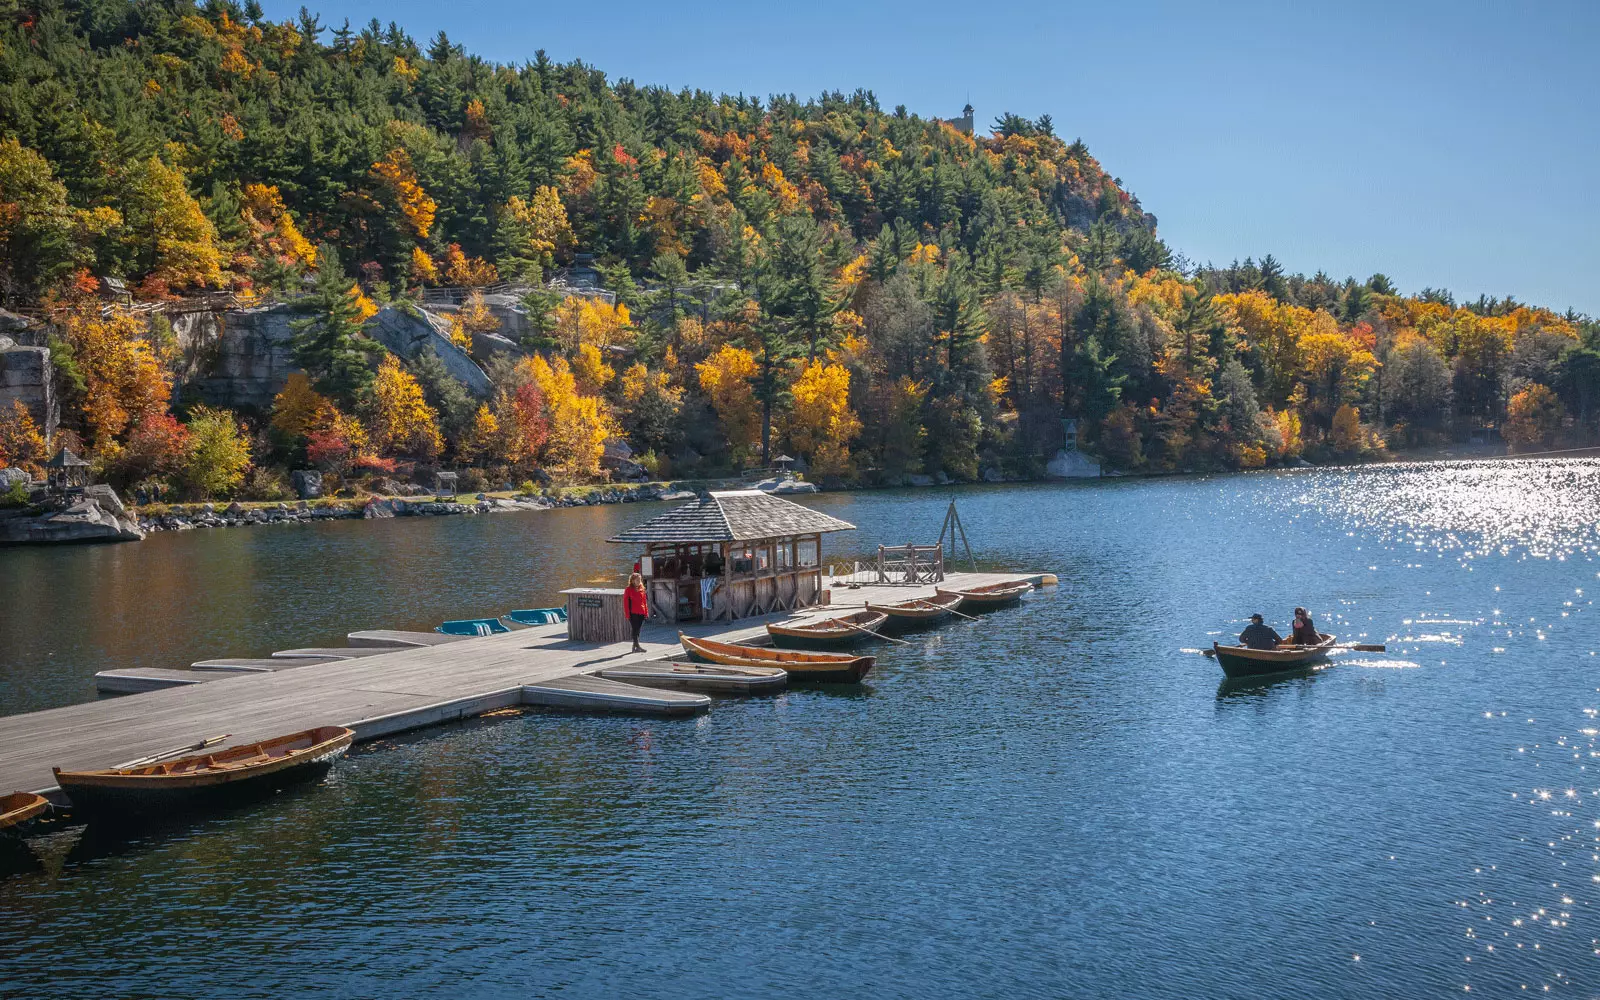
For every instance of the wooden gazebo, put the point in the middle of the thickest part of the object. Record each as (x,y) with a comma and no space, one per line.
(67,471)
(732,554)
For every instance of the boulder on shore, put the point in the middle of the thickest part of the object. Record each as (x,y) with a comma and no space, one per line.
(83,521)
(1072,465)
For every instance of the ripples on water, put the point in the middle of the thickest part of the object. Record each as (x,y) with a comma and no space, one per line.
(1060,800)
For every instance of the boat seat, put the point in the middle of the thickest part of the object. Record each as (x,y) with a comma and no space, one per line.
(472,626)
(538,616)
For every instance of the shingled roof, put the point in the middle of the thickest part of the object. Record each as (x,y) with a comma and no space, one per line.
(733,516)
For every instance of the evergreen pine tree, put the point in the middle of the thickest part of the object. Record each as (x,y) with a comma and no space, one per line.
(328,343)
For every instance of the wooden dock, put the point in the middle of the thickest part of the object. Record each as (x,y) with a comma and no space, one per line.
(379,694)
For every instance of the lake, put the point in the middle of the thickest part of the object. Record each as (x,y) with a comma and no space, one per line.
(1059,800)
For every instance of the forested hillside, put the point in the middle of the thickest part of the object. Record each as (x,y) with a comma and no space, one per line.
(875,292)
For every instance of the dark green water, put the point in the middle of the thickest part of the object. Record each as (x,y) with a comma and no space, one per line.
(1059,801)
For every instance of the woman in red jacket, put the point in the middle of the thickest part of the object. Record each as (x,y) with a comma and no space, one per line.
(636,606)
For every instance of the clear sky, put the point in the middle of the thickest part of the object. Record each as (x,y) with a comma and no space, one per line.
(1455,145)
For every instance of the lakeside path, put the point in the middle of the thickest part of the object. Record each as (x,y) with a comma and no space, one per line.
(373,695)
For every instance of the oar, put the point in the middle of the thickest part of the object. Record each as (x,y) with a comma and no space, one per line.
(861,628)
(137,761)
(953,611)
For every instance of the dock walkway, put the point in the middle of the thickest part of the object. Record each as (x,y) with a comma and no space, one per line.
(376,694)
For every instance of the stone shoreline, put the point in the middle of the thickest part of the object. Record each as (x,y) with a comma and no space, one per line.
(187,517)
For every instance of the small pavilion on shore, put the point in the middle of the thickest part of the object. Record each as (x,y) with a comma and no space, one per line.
(731,555)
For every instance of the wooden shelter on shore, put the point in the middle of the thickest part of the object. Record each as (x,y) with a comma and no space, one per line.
(732,554)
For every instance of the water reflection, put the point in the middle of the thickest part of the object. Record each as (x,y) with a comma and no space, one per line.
(1056,794)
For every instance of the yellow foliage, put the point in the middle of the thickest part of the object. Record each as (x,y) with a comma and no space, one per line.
(787,194)
(639,381)
(295,410)
(364,305)
(400,178)
(725,379)
(851,274)
(582,319)
(123,378)
(401,420)
(21,444)
(925,253)
(422,266)
(1251,456)
(545,220)
(1346,433)
(590,368)
(471,272)
(821,425)
(1533,416)
(473,317)
(165,218)
(579,174)
(711,182)
(1287,424)
(579,424)
(481,438)
(265,214)
(404,70)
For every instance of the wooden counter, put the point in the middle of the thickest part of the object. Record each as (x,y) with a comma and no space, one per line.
(595,614)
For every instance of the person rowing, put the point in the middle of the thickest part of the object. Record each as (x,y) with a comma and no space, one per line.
(1305,630)
(1259,635)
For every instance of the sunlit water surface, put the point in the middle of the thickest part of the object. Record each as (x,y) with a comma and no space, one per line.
(1059,800)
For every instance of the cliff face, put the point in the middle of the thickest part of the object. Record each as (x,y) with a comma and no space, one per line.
(241,358)
(25,374)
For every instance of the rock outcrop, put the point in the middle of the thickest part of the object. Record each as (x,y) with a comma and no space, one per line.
(97,517)
(25,374)
(243,357)
(1072,465)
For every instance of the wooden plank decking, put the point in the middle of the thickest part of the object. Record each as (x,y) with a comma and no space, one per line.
(374,695)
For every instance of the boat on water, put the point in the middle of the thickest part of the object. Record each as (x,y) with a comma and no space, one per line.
(993,595)
(826,633)
(237,772)
(917,612)
(823,668)
(19,810)
(1242,661)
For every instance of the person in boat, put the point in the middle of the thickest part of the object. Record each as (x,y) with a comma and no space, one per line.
(1259,635)
(636,606)
(1305,630)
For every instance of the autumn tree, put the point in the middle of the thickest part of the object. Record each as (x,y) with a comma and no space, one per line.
(42,238)
(158,448)
(726,378)
(1533,417)
(218,454)
(21,444)
(122,378)
(821,423)
(175,243)
(400,421)
(579,424)
(529,233)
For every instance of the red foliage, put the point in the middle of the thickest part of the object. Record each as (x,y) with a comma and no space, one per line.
(327,448)
(158,445)
(621,156)
(372,463)
(1363,334)
(527,408)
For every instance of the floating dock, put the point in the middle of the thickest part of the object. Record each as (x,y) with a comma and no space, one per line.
(432,679)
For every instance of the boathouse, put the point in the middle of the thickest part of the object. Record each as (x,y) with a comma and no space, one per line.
(732,554)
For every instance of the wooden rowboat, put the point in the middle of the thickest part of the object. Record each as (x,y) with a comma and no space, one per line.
(1242,661)
(822,668)
(992,596)
(188,782)
(918,612)
(824,633)
(18,811)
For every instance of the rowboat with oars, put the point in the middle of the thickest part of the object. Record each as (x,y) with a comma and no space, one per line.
(821,668)
(159,787)
(918,611)
(826,633)
(993,595)
(1242,661)
(19,810)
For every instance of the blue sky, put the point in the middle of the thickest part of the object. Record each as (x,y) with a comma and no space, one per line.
(1444,144)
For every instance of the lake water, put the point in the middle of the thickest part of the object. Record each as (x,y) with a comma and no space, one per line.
(1059,800)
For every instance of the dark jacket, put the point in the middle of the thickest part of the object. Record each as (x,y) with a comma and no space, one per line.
(1258,636)
(1306,634)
